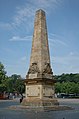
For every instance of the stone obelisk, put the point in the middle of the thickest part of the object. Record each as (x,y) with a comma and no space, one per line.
(39,79)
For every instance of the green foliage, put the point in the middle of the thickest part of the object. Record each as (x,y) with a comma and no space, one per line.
(67,78)
(58,87)
(15,84)
(67,83)
(2,78)
(11,84)
(2,72)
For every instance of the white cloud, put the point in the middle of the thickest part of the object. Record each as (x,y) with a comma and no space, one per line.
(5,25)
(25,14)
(55,39)
(18,38)
(46,4)
(28,10)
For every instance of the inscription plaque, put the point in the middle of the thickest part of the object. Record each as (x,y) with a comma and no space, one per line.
(33,91)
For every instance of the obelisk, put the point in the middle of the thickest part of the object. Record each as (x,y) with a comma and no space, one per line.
(39,79)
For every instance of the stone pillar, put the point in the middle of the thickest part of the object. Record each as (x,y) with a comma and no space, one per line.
(40,58)
(40,49)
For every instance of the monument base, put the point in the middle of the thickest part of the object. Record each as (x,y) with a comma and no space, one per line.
(43,105)
(39,93)
(37,103)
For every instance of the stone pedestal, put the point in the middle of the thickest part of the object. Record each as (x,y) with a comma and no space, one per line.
(42,103)
(40,93)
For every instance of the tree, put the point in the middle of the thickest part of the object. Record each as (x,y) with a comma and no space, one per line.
(15,84)
(2,78)
(67,78)
(11,84)
(2,72)
(58,87)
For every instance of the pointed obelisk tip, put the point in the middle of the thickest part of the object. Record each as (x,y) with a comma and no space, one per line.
(40,10)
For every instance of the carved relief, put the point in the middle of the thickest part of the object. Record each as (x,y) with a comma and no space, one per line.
(33,69)
(47,69)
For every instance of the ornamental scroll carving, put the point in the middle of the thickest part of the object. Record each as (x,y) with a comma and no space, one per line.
(33,69)
(47,69)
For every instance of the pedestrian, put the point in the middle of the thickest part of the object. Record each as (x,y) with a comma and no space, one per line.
(21,98)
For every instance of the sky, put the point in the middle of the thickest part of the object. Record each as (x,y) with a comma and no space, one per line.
(16,31)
